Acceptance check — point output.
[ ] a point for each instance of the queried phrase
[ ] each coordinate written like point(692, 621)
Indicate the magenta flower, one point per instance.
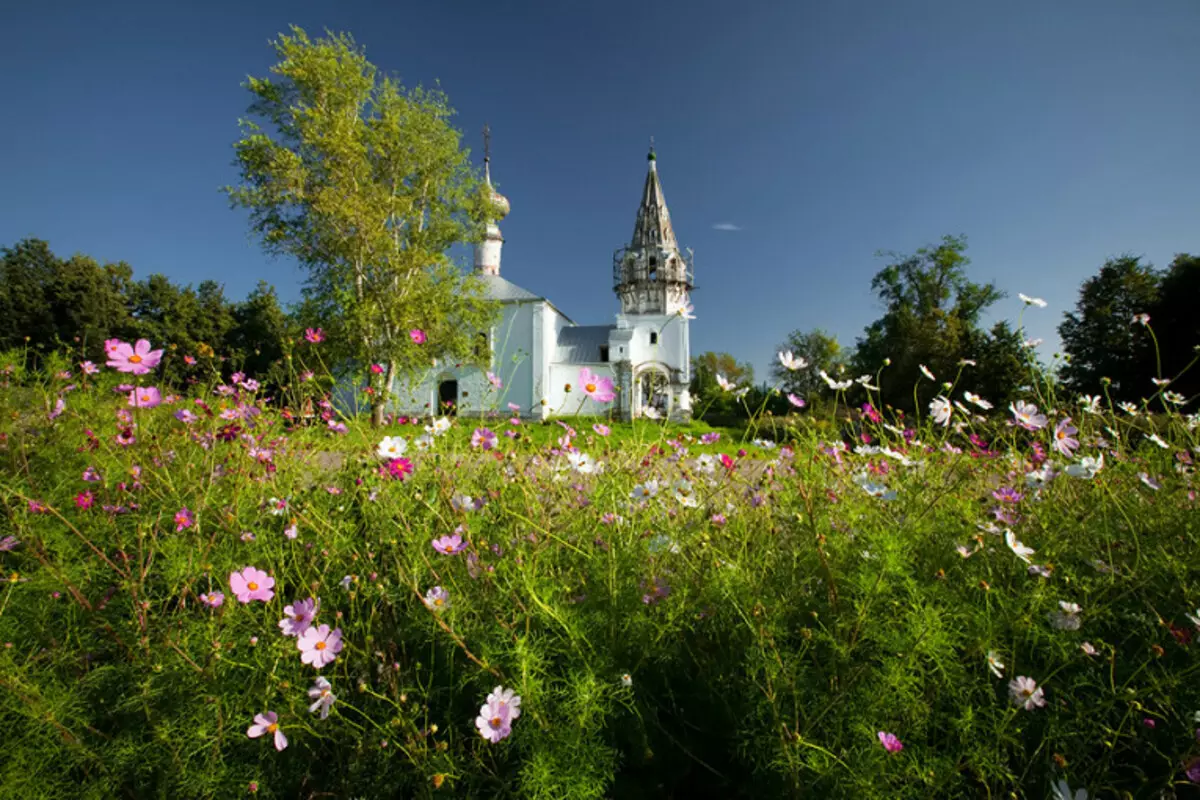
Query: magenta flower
point(417, 335)
point(8, 543)
point(483, 437)
point(314, 335)
point(138, 359)
point(1064, 437)
point(252, 584)
point(450, 544)
point(184, 519)
point(596, 387)
point(890, 742)
point(798, 402)
point(299, 616)
point(377, 369)
point(318, 645)
point(267, 723)
point(496, 716)
point(396, 468)
point(91, 475)
point(213, 599)
point(85, 500)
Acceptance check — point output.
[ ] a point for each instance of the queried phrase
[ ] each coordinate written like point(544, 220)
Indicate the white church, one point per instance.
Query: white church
point(537, 350)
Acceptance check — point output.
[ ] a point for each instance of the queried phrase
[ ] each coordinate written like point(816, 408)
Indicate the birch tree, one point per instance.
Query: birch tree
point(366, 184)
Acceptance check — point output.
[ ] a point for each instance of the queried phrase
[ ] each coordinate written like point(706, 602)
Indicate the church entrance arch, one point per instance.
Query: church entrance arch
point(652, 390)
point(448, 397)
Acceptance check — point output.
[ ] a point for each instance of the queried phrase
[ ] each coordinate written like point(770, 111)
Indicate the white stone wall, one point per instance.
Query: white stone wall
point(561, 403)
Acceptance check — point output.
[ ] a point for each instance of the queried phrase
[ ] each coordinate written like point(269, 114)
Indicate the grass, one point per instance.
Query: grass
point(745, 630)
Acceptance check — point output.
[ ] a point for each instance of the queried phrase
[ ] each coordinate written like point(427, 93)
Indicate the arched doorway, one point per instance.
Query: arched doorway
point(448, 397)
point(652, 391)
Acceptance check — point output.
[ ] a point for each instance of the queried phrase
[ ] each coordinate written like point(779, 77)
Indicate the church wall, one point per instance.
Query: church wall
point(561, 403)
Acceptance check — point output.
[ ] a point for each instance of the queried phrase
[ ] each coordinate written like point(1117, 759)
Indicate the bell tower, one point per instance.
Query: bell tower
point(652, 275)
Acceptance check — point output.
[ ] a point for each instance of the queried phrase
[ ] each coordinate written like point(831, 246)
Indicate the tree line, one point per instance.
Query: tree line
point(1132, 328)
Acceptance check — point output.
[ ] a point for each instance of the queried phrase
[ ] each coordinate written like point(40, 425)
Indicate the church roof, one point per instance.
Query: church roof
point(505, 290)
point(653, 227)
point(580, 344)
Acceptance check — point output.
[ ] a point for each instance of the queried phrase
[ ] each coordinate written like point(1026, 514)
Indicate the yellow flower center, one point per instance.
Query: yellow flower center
point(437, 601)
point(496, 722)
point(145, 398)
point(135, 359)
point(321, 645)
point(272, 727)
point(252, 586)
point(591, 387)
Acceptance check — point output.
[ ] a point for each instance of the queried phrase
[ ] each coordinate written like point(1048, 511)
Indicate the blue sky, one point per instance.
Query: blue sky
point(1052, 134)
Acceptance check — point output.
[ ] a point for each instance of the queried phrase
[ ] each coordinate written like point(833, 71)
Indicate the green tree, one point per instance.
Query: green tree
point(1101, 339)
point(261, 332)
point(26, 270)
point(707, 394)
point(365, 183)
point(1177, 325)
point(90, 302)
point(819, 351)
point(931, 317)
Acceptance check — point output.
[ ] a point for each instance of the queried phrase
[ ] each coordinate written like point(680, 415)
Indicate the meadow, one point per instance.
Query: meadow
point(209, 594)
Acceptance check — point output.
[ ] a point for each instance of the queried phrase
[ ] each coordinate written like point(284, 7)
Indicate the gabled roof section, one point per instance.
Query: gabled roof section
point(653, 227)
point(505, 290)
point(580, 344)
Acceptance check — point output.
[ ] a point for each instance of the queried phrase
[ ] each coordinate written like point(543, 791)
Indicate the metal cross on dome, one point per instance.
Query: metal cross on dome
point(487, 142)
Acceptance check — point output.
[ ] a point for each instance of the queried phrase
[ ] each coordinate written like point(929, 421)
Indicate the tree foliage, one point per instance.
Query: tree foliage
point(364, 182)
point(707, 394)
point(819, 350)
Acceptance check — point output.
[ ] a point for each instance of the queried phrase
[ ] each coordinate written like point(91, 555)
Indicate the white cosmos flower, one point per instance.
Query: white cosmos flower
point(1128, 408)
point(1154, 437)
point(439, 426)
point(391, 447)
point(1023, 552)
point(975, 399)
point(581, 462)
point(925, 371)
point(724, 384)
point(684, 494)
point(941, 410)
point(423, 442)
point(1032, 301)
point(995, 664)
point(644, 491)
point(1090, 403)
point(837, 386)
point(791, 362)
point(1086, 468)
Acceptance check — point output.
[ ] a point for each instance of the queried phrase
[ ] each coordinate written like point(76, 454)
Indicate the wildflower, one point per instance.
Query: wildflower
point(644, 491)
point(252, 584)
point(1140, 319)
point(484, 438)
point(1086, 468)
point(626, 680)
point(346, 581)
point(837, 386)
point(267, 723)
point(658, 591)
point(318, 645)
point(496, 383)
point(995, 664)
point(1174, 397)
point(684, 495)
point(1015, 545)
point(437, 599)
point(377, 369)
point(322, 696)
point(964, 551)
point(498, 713)
point(581, 462)
point(890, 742)
point(1088, 649)
point(1064, 437)
point(1146, 479)
point(450, 544)
point(91, 475)
point(417, 335)
point(1006, 494)
point(601, 429)
point(1026, 415)
point(1026, 693)
point(798, 402)
point(1040, 571)
point(1195, 620)
point(213, 599)
point(299, 616)
point(941, 409)
point(686, 311)
point(1032, 301)
point(185, 416)
point(184, 519)
point(792, 363)
point(1154, 437)
point(8, 543)
point(439, 426)
point(337, 427)
point(85, 500)
point(596, 387)
point(291, 531)
point(314, 335)
point(1062, 791)
point(711, 437)
point(126, 437)
point(1067, 619)
point(137, 360)
point(1128, 408)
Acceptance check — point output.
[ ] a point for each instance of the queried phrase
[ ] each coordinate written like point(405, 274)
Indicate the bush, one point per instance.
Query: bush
point(675, 624)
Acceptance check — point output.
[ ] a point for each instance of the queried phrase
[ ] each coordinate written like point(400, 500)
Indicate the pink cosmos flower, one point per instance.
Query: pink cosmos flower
point(890, 742)
point(252, 584)
point(138, 359)
point(396, 468)
point(417, 335)
point(267, 723)
point(189, 360)
point(450, 544)
point(184, 518)
point(495, 381)
point(145, 397)
point(85, 500)
point(377, 369)
point(603, 430)
point(798, 402)
point(1026, 693)
point(213, 599)
point(496, 716)
point(483, 437)
point(314, 335)
point(596, 387)
point(337, 427)
point(437, 598)
point(1064, 437)
point(91, 475)
point(185, 416)
point(299, 616)
point(318, 645)
point(89, 368)
point(1027, 416)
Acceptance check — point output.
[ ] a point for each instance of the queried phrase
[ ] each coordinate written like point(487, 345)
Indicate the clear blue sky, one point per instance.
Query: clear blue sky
point(1052, 133)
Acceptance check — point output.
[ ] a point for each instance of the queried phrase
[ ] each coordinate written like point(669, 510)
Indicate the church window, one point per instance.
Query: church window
point(653, 337)
point(604, 352)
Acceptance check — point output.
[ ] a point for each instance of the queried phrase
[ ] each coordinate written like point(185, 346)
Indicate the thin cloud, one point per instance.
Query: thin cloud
point(726, 226)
